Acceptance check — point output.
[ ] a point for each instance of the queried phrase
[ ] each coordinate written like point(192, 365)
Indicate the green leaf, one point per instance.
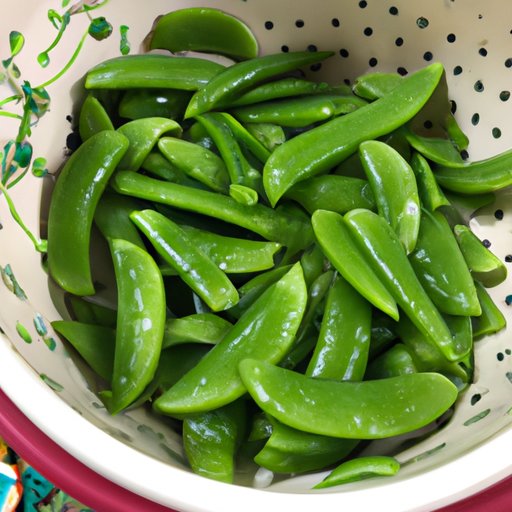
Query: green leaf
point(16, 41)
point(100, 28)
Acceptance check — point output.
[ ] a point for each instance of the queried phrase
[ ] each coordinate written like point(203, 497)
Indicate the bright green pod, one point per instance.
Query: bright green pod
point(431, 195)
point(352, 410)
point(269, 135)
point(265, 331)
point(438, 150)
point(492, 319)
point(88, 312)
point(372, 86)
point(93, 118)
point(140, 103)
point(157, 165)
point(397, 360)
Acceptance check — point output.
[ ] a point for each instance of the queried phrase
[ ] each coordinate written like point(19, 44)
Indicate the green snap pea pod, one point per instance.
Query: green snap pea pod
point(292, 451)
point(112, 216)
point(438, 150)
point(197, 328)
point(143, 134)
point(93, 118)
point(381, 246)
point(141, 314)
point(383, 334)
point(352, 410)
point(197, 162)
point(243, 195)
point(152, 72)
point(157, 165)
point(394, 188)
point(270, 135)
point(242, 75)
point(204, 29)
point(139, 103)
point(431, 195)
point(479, 177)
point(196, 269)
point(75, 196)
point(462, 208)
point(88, 312)
point(399, 143)
point(332, 192)
point(95, 343)
point(341, 352)
point(323, 147)
point(492, 319)
point(373, 86)
point(273, 225)
point(395, 361)
point(360, 468)
point(313, 263)
point(462, 332)
point(483, 264)
point(266, 331)
point(441, 269)
point(339, 247)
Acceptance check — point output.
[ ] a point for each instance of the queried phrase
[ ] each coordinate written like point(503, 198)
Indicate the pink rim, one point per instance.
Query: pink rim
point(98, 493)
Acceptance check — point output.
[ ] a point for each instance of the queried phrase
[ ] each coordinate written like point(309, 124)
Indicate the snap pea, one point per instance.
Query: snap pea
point(93, 118)
point(152, 72)
point(266, 330)
point(313, 263)
point(440, 266)
point(88, 312)
point(204, 29)
point(157, 165)
point(438, 150)
point(143, 134)
point(75, 196)
point(339, 247)
point(196, 269)
point(323, 147)
point(492, 319)
point(243, 75)
point(140, 103)
point(394, 187)
point(243, 195)
point(270, 135)
point(353, 410)
point(483, 264)
point(373, 86)
point(431, 195)
point(397, 360)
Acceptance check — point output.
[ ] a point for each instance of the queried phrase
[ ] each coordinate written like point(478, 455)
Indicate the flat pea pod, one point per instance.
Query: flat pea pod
point(88, 312)
point(436, 149)
point(266, 331)
point(339, 247)
point(93, 118)
point(394, 188)
point(270, 135)
point(242, 75)
point(152, 71)
point(485, 267)
point(323, 147)
point(143, 134)
point(196, 328)
point(157, 165)
point(204, 29)
point(360, 468)
point(75, 196)
point(381, 246)
point(139, 103)
point(197, 162)
point(141, 316)
point(489, 175)
point(95, 343)
point(196, 269)
point(352, 410)
point(273, 225)
point(397, 360)
point(440, 266)
point(492, 319)
point(313, 263)
point(341, 352)
point(431, 196)
point(373, 86)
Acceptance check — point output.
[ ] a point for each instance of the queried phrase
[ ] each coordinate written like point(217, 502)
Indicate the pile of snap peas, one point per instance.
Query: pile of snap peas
point(294, 277)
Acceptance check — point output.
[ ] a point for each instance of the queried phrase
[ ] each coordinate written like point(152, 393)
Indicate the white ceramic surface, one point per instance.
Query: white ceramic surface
point(144, 454)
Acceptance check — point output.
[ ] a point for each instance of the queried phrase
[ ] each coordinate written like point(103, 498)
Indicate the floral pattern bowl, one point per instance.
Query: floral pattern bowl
point(52, 45)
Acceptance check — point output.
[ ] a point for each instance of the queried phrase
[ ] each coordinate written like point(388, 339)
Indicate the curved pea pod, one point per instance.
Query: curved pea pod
point(394, 188)
point(351, 410)
point(211, 440)
point(360, 468)
point(141, 314)
point(397, 360)
point(242, 75)
point(269, 135)
point(436, 149)
point(293, 451)
point(373, 86)
point(196, 269)
point(440, 266)
point(204, 29)
point(479, 177)
point(491, 320)
point(152, 72)
point(313, 263)
point(197, 162)
point(93, 118)
point(88, 312)
point(483, 264)
point(341, 352)
point(139, 103)
point(95, 343)
point(143, 134)
point(339, 247)
point(277, 226)
point(197, 328)
point(112, 216)
point(266, 331)
point(462, 208)
point(381, 246)
point(431, 195)
point(157, 165)
point(323, 147)
point(75, 196)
